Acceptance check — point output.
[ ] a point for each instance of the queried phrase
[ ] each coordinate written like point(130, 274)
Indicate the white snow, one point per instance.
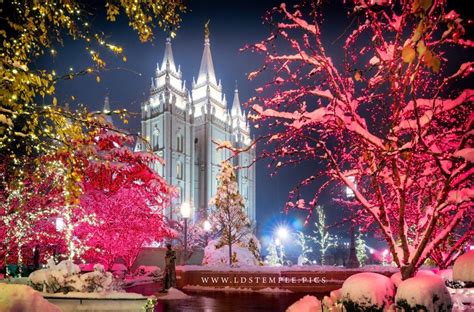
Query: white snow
point(174, 294)
point(463, 299)
point(274, 290)
point(306, 304)
point(397, 277)
point(96, 295)
point(446, 275)
point(422, 290)
point(219, 256)
point(463, 269)
point(148, 270)
point(16, 298)
point(369, 289)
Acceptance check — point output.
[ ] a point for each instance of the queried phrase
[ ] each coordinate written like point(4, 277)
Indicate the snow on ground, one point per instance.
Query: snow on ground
point(463, 299)
point(306, 304)
point(463, 269)
point(218, 256)
point(174, 294)
point(369, 289)
point(397, 277)
point(16, 298)
point(278, 269)
point(425, 290)
point(446, 275)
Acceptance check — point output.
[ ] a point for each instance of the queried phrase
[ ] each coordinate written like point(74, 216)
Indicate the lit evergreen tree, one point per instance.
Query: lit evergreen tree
point(322, 236)
point(229, 218)
point(361, 249)
point(272, 257)
point(302, 241)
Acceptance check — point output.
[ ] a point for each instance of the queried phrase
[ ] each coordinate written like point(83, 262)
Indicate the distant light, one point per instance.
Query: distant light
point(207, 226)
point(314, 262)
point(385, 252)
point(349, 192)
point(185, 210)
point(471, 247)
point(282, 232)
point(59, 224)
point(371, 251)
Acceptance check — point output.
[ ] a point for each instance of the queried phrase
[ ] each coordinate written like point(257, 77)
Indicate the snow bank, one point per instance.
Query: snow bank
point(423, 291)
point(148, 270)
point(219, 256)
point(174, 294)
point(463, 299)
point(16, 298)
point(368, 290)
point(306, 304)
point(65, 277)
point(446, 275)
point(397, 277)
point(463, 269)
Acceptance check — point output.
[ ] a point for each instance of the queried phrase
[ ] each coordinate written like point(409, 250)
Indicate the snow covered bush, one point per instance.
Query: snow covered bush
point(397, 277)
point(241, 255)
point(66, 277)
point(463, 269)
point(423, 293)
point(367, 292)
point(148, 270)
point(17, 298)
point(333, 302)
point(306, 304)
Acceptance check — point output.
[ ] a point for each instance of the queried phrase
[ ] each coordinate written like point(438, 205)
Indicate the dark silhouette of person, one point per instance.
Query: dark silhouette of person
point(169, 279)
point(36, 258)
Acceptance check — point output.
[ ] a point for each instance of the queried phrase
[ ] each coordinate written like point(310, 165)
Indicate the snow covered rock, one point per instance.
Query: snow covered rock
point(217, 256)
point(446, 275)
point(463, 269)
point(423, 293)
point(174, 294)
point(367, 290)
point(148, 270)
point(306, 304)
point(15, 298)
point(397, 277)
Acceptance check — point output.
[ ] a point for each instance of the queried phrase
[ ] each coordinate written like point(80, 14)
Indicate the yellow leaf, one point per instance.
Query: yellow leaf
point(358, 75)
point(97, 79)
point(124, 58)
point(421, 48)
point(408, 54)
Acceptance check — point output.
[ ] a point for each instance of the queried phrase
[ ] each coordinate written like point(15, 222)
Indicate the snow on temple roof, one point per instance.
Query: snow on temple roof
point(168, 57)
point(206, 71)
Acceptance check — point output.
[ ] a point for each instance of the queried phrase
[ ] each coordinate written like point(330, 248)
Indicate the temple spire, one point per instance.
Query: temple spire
point(168, 59)
point(206, 71)
point(106, 110)
point(236, 111)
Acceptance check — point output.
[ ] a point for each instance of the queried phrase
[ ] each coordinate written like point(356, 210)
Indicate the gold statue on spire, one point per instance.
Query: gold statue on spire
point(206, 29)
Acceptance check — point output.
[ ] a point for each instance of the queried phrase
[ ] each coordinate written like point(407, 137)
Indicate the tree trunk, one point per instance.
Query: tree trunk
point(407, 271)
point(230, 254)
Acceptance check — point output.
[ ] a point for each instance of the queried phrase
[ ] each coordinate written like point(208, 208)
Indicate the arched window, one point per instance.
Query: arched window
point(156, 138)
point(179, 170)
point(179, 142)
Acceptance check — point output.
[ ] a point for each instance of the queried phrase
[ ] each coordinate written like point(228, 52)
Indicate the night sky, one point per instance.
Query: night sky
point(233, 24)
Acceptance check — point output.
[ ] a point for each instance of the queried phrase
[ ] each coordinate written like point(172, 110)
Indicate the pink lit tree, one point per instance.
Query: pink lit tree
point(390, 118)
point(125, 197)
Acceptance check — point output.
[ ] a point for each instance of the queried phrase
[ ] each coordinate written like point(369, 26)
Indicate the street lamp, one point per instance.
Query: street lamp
point(207, 228)
point(185, 213)
point(282, 232)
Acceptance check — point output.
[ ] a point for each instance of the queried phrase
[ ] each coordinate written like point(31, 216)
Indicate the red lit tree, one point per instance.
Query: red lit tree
point(127, 199)
point(389, 119)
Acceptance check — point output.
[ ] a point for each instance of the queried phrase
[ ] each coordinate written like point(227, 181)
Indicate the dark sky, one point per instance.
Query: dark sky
point(233, 24)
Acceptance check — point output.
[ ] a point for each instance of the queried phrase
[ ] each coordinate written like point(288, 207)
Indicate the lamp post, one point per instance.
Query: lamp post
point(185, 213)
point(207, 228)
